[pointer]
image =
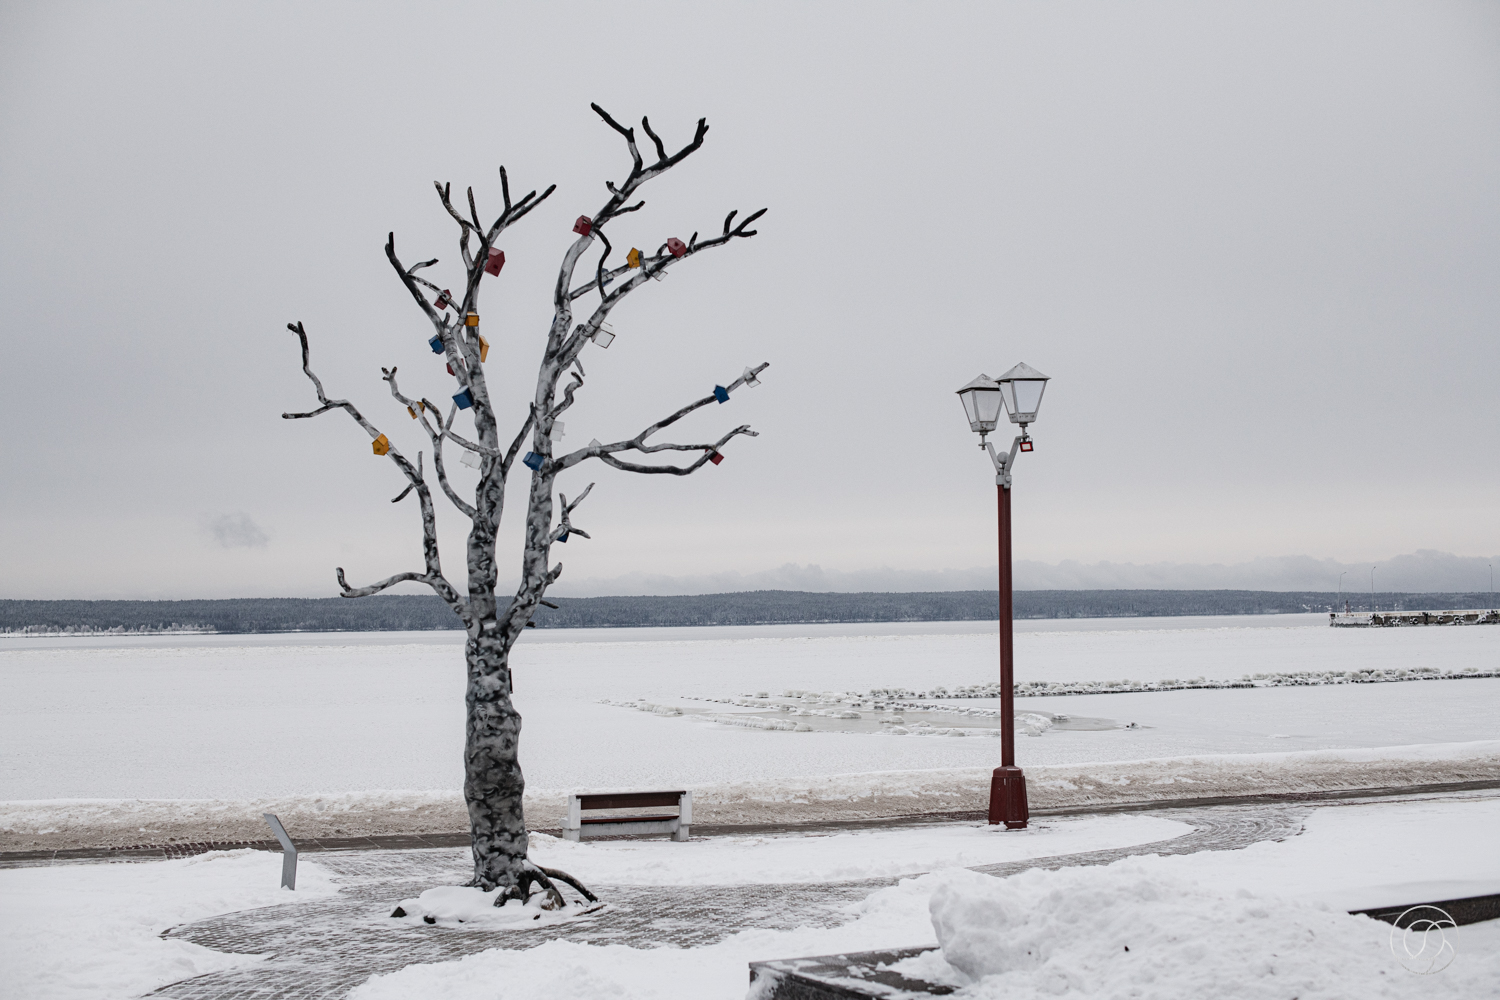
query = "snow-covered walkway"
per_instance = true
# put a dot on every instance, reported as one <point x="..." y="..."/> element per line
<point x="324" y="946"/>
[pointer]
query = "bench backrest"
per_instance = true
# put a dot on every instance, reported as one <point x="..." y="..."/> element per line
<point x="629" y="800"/>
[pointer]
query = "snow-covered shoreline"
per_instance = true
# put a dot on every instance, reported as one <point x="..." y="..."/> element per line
<point x="61" y="824"/>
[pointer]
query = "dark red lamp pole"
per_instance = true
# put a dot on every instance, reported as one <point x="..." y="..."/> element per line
<point x="1018" y="391"/>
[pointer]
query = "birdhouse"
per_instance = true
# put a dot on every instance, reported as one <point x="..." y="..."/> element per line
<point x="464" y="399"/>
<point x="715" y="457"/>
<point x="449" y="366"/>
<point x="605" y="335"/>
<point x="444" y="299"/>
<point x="382" y="445"/>
<point x="557" y="430"/>
<point x="471" y="320"/>
<point x="633" y="258"/>
<point x="436" y="343"/>
<point x="412" y="412"/>
<point x="563" y="537"/>
<point x="496" y="261"/>
<point x="532" y="461"/>
<point x="469" y="458"/>
<point x="750" y="379"/>
<point x="721" y="394"/>
<point x="594" y="443"/>
<point x="676" y="247"/>
<point x="484" y="348"/>
<point x="583" y="226"/>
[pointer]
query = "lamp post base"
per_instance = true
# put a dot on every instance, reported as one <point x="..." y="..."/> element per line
<point x="1008" y="798"/>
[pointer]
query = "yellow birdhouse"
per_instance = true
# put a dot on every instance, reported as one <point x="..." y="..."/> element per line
<point x="382" y="445"/>
<point x="633" y="258"/>
<point x="412" y="412"/>
<point x="484" y="348"/>
<point x="471" y="320"/>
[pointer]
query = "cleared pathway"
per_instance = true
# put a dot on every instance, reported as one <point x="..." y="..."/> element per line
<point x="326" y="947"/>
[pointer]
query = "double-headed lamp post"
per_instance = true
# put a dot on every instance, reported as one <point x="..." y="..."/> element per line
<point x="1018" y="391"/>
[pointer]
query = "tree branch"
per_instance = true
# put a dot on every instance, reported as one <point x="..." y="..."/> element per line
<point x="638" y="443"/>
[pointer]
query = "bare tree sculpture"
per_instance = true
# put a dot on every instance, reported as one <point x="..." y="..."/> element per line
<point x="493" y="783"/>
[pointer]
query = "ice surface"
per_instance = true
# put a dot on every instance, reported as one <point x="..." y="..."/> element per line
<point x="230" y="717"/>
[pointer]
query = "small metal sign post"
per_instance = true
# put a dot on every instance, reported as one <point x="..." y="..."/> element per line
<point x="288" y="851"/>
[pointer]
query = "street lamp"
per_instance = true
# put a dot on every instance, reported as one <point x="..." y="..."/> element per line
<point x="1019" y="391"/>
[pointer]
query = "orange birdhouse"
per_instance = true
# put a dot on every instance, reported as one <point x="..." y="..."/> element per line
<point x="412" y="412"/>
<point x="382" y="445"/>
<point x="471" y="320"/>
<point x="583" y="226"/>
<point x="676" y="247"/>
<point x="484" y="348"/>
<point x="496" y="261"/>
<point x="633" y="258"/>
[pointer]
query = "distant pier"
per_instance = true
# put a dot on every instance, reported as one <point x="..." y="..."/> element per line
<point x="1390" y="619"/>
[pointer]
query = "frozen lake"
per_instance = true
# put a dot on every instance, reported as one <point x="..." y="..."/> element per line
<point x="241" y="716"/>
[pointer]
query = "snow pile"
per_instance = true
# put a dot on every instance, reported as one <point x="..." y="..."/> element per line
<point x="1132" y="930"/>
<point x="475" y="909"/>
<point x="93" y="931"/>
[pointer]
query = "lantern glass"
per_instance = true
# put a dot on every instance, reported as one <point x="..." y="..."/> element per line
<point x="981" y="399"/>
<point x="1022" y="387"/>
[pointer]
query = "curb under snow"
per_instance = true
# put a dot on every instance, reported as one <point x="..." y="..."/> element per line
<point x="63" y="824"/>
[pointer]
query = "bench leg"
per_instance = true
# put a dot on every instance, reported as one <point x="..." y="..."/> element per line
<point x="574" y="835"/>
<point x="681" y="833"/>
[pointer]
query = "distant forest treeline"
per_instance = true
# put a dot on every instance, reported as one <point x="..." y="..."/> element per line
<point x="422" y="613"/>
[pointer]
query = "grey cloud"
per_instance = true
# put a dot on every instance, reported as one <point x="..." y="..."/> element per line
<point x="236" y="531"/>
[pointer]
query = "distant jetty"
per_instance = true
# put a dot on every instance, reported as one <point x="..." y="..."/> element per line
<point x="1392" y="619"/>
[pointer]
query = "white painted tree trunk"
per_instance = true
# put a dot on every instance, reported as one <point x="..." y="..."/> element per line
<point x="493" y="783"/>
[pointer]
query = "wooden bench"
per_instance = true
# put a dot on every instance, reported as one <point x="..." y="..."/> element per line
<point x="677" y="824"/>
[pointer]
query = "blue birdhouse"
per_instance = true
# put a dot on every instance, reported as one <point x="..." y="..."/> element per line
<point x="563" y="537"/>
<point x="533" y="461"/>
<point x="436" y="343"/>
<point x="721" y="394"/>
<point x="464" y="399"/>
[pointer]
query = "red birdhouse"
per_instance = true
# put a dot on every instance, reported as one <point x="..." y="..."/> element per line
<point x="496" y="261"/>
<point x="583" y="226"/>
<point x="715" y="457"/>
<point x="444" y="300"/>
<point x="676" y="247"/>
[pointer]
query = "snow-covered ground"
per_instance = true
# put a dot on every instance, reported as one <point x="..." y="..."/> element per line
<point x="251" y="716"/>
<point x="91" y="932"/>
<point x="1269" y="919"/>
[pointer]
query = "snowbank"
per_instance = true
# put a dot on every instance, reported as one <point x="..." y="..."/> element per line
<point x="1130" y="930"/>
<point x="72" y="823"/>
<point x="70" y="932"/>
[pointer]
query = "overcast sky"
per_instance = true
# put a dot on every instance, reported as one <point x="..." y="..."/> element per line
<point x="1255" y="245"/>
